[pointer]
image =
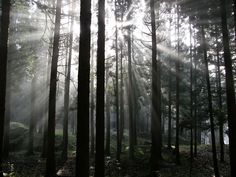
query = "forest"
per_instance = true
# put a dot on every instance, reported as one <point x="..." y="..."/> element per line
<point x="117" y="88"/>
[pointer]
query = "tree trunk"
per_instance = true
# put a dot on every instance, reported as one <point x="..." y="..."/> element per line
<point x="121" y="97"/>
<point x="214" y="155"/>
<point x="130" y="90"/>
<point x="155" y="158"/>
<point x="99" y="160"/>
<point x="177" y="96"/>
<point x="32" y="123"/>
<point x="219" y="93"/>
<point x="169" y="95"/>
<point x="82" y="145"/>
<point x="5" y="18"/>
<point x="50" y="161"/>
<point x="92" y="126"/>
<point x="108" y="123"/>
<point x="118" y="145"/>
<point x="67" y="89"/>
<point x="7" y="112"/>
<point x="169" y="110"/>
<point x="191" y="96"/>
<point x="230" y="94"/>
<point x="195" y="99"/>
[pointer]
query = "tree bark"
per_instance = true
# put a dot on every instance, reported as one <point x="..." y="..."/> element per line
<point x="155" y="158"/>
<point x="219" y="93"/>
<point x="50" y="161"/>
<point x="230" y="93"/>
<point x="214" y="155"/>
<point x="5" y="19"/>
<point x="7" y="111"/>
<point x="108" y="123"/>
<point x="118" y="145"/>
<point x="67" y="89"/>
<point x="82" y="145"/>
<point x="177" y="95"/>
<point x="32" y="123"/>
<point x="130" y="89"/>
<point x="99" y="160"/>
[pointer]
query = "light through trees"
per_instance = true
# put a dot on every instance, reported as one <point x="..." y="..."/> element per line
<point x="117" y="88"/>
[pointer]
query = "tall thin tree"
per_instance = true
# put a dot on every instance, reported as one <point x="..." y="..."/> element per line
<point x="230" y="92"/>
<point x="214" y="155"/>
<point x="99" y="158"/>
<point x="177" y="93"/>
<point x="67" y="88"/>
<point x="3" y="68"/>
<point x="118" y="146"/>
<point x="50" y="161"/>
<point x="155" y="158"/>
<point x="82" y="145"/>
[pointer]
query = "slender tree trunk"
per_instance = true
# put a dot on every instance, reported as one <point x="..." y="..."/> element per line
<point x="191" y="94"/>
<point x="50" y="161"/>
<point x="220" y="114"/>
<point x="169" y="95"/>
<point x="92" y="127"/>
<point x="121" y="97"/>
<point x="195" y="102"/>
<point x="134" y="95"/>
<point x="99" y="160"/>
<point x="118" y="146"/>
<point x="230" y="93"/>
<point x="155" y="114"/>
<point x="32" y="123"/>
<point x="130" y="90"/>
<point x="67" y="90"/>
<point x="169" y="110"/>
<point x="7" y="112"/>
<point x="47" y="80"/>
<point x="214" y="155"/>
<point x="108" y="123"/>
<point x="5" y="18"/>
<point x="82" y="146"/>
<point x="177" y="95"/>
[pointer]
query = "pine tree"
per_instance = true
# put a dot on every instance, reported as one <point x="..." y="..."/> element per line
<point x="5" y="20"/>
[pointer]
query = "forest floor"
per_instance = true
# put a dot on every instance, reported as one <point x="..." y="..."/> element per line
<point x="33" y="166"/>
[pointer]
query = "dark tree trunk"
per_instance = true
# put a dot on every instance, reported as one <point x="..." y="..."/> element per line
<point x="155" y="158"/>
<point x="45" y="122"/>
<point x="5" y="18"/>
<point x="7" y="112"/>
<point x="92" y="107"/>
<point x="195" y="102"/>
<point x="219" y="93"/>
<point x="177" y="96"/>
<point x="230" y="93"/>
<point x="108" y="123"/>
<point x="169" y="95"/>
<point x="99" y="160"/>
<point x="32" y="123"/>
<point x="191" y="97"/>
<point x="130" y="90"/>
<point x="121" y="97"/>
<point x="118" y="145"/>
<point x="82" y="146"/>
<point x="47" y="80"/>
<point x="50" y="161"/>
<point x="169" y="110"/>
<point x="67" y="90"/>
<point x="214" y="155"/>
